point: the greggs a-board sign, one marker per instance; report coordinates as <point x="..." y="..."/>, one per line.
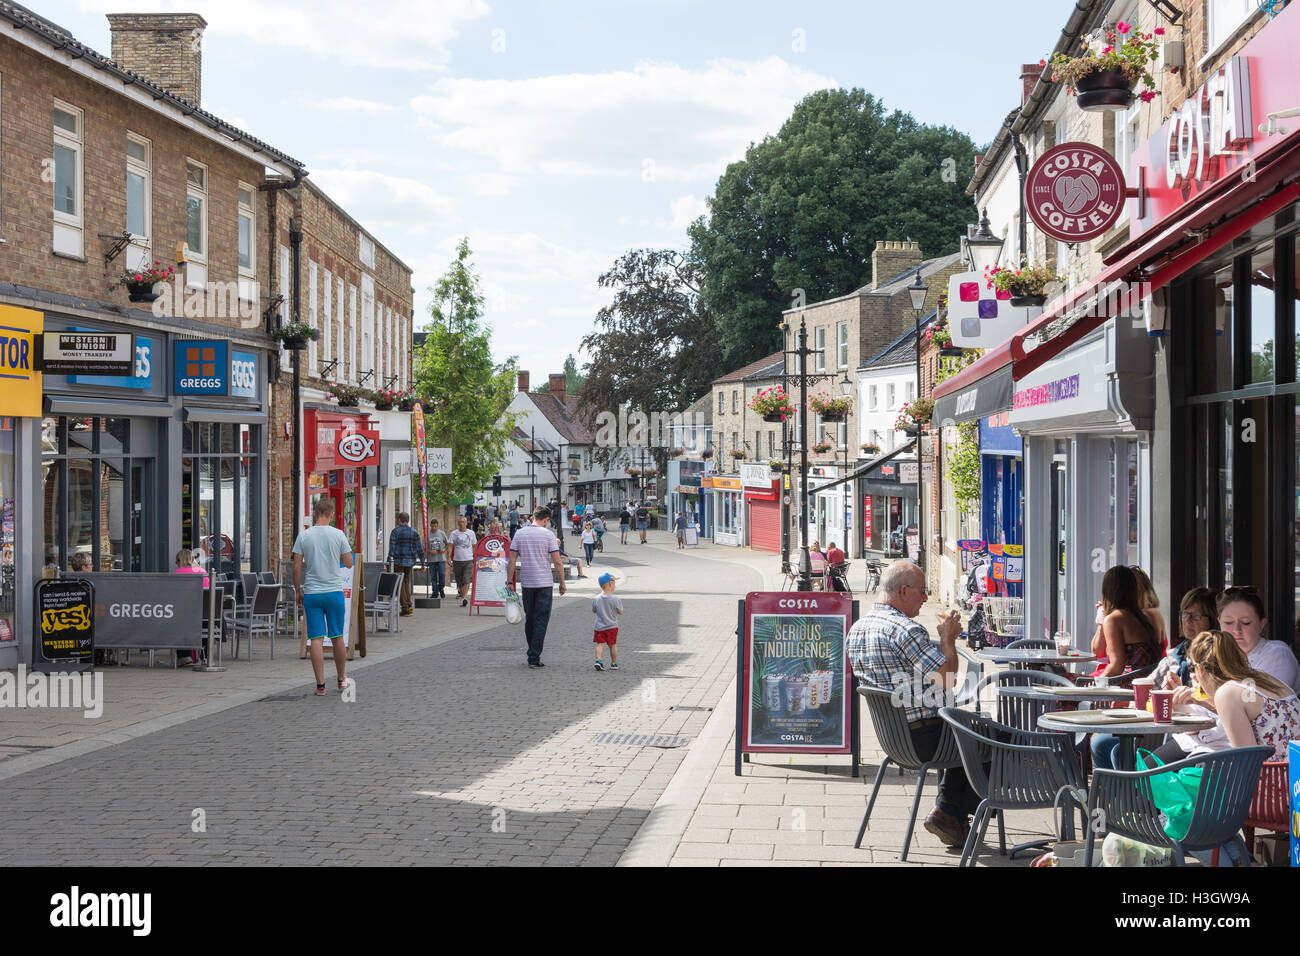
<point x="20" y="382"/>
<point x="1224" y="125"/>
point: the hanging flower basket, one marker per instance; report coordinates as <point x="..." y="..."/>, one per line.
<point x="346" y="396"/>
<point x="777" y="465"/>
<point x="870" y="448"/>
<point x="634" y="472"/>
<point x="295" y="335"/>
<point x="773" y="404"/>
<point x="1115" y="60"/>
<point x="831" y="409"/>
<point x="1025" y="286"/>
<point x="707" y="453"/>
<point x="140" y="282"/>
<point x="738" y="454"/>
<point x="914" y="414"/>
<point x="822" y="447"/>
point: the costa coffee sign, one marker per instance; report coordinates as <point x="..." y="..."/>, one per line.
<point x="358" y="448"/>
<point x="1213" y="122"/>
<point x="1075" y="192"/>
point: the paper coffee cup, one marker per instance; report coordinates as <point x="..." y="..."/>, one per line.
<point x="1162" y="702"/>
<point x="1142" y="688"/>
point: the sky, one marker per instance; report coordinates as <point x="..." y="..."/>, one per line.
<point x="558" y="134"/>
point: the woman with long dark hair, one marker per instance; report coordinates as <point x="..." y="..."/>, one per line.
<point x="1126" y="638"/>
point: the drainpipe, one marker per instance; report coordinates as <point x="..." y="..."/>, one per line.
<point x="1022" y="168"/>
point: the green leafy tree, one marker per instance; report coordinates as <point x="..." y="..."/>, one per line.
<point x="468" y="394"/>
<point x="805" y="208"/>
<point x="573" y="379"/>
<point x="655" y="346"/>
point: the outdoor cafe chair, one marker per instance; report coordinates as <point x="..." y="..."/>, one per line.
<point x="1119" y="680"/>
<point x="1032" y="644"/>
<point x="1022" y="713"/>
<point x="1011" y="769"/>
<point x="895" y="740"/>
<point x="388" y="586"/>
<point x="1122" y="801"/>
<point x="257" y="618"/>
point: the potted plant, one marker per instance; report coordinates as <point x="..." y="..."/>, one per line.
<point x="706" y="454"/>
<point x="738" y="454"/>
<point x="773" y="404"/>
<point x="140" y="282"/>
<point x="1114" y="61"/>
<point x="1026" y="286"/>
<point x="346" y="396"/>
<point x="914" y="414"/>
<point x="295" y="335"/>
<point x="821" y="447"/>
<point x="634" y="472"/>
<point x="830" y="409"/>
<point x="382" y="398"/>
<point x="941" y="336"/>
<point x="676" y="452"/>
<point x="777" y="465"/>
<point x="870" y="448"/>
<point x="406" y="401"/>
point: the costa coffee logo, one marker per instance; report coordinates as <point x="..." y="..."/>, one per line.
<point x="1075" y="192"/>
<point x="1212" y="124"/>
<point x="356" y="447"/>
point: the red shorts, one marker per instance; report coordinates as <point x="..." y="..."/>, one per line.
<point x="608" y="636"/>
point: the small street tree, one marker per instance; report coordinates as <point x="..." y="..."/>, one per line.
<point x="465" y="394"/>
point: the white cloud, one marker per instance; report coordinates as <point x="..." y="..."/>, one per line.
<point x="350" y="104"/>
<point x="402" y="34"/>
<point x="658" y="121"/>
<point x="685" y="210"/>
<point x="367" y="191"/>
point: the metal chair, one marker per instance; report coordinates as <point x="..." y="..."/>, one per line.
<point x="896" y="741"/>
<point x="257" y="618"/>
<point x="1122" y="799"/>
<point x="1033" y="644"/>
<point x="1022" y="713"/>
<point x="266" y="577"/>
<point x="1011" y="769"/>
<point x="1119" y="680"/>
<point x="388" y="586"/>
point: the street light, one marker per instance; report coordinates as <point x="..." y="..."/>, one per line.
<point x="917" y="291"/>
<point x="984" y="246"/>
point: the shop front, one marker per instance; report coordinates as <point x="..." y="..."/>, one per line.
<point x="888" y="508"/>
<point x="830" y="508"/>
<point x="1002" y="477"/>
<point x="386" y="486"/>
<point x="20" y="416"/>
<point x="341" y="445"/>
<point x="1086" y="420"/>
<point x="762" y="507"/>
<point x="728" y="509"/>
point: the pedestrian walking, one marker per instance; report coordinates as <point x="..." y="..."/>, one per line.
<point x="679" y="526"/>
<point x="589" y="541"/>
<point x="438" y="559"/>
<point x="318" y="554"/>
<point x="642" y="519"/>
<point x="624" y="521"/>
<point x="463" y="541"/>
<point x="533" y="552"/>
<point x="404" y="547"/>
<point x="607" y="608"/>
<point x="598" y="526"/>
<point x="512" y="518"/>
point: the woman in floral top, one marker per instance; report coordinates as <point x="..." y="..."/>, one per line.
<point x="1254" y="707"/>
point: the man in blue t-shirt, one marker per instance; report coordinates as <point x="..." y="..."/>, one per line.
<point x="318" y="554"/>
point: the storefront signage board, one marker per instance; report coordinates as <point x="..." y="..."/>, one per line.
<point x="491" y="558"/>
<point x="20" y="382"/>
<point x="65" y="625"/>
<point x="796" y="686"/>
<point x="1074" y="384"/>
<point x="140" y="377"/>
<point x="97" y="353"/>
<point x="755" y="475"/>
<point x="1074" y="192"/>
<point x="147" y="610"/>
<point x="980" y="317"/>
<point x="200" y="367"/>
<point x="356" y="448"/>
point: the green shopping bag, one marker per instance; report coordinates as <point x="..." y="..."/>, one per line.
<point x="1174" y="793"/>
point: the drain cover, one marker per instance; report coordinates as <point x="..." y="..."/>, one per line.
<point x="642" y="740"/>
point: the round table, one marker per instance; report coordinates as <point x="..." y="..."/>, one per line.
<point x="1102" y="695"/>
<point x="1126" y="730"/>
<point x="1029" y="655"/>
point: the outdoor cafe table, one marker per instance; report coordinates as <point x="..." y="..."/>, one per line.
<point x="1029" y="656"/>
<point x="1071" y="695"/>
<point x="1126" y="730"/>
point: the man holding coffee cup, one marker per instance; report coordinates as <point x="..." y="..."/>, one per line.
<point x="888" y="649"/>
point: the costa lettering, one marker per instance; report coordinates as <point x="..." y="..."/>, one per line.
<point x="1213" y="122"/>
<point x="1074" y="192"/>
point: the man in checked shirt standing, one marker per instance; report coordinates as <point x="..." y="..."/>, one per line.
<point x="888" y="649"/>
<point x="404" y="546"/>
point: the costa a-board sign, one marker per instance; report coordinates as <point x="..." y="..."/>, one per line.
<point x="488" y="582"/>
<point x="355" y="449"/>
<point x="65" y="624"/>
<point x="795" y="688"/>
<point x="1075" y="192"/>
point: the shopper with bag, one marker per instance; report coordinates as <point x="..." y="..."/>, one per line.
<point x="533" y="552"/>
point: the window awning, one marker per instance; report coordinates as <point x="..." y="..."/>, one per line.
<point x="982" y="389"/>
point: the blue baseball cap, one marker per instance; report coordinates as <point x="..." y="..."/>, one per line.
<point x="605" y="578"/>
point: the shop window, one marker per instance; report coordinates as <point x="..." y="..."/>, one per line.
<point x="1224" y="17"/>
<point x="1261" y="320"/>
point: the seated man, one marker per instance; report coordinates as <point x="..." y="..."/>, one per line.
<point x="887" y="649"/>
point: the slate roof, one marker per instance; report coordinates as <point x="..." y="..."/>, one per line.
<point x="901" y="351"/>
<point x="899" y="283"/>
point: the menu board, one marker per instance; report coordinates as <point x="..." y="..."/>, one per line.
<point x="796" y="687"/>
<point x="491" y="560"/>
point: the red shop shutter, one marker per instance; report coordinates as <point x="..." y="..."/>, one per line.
<point x="765" y="525"/>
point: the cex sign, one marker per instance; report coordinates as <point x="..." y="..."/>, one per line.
<point x="354" y="449"/>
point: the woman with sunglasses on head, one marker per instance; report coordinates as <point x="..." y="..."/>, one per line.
<point x="1241" y="614"/>
<point x="1149" y="601"/>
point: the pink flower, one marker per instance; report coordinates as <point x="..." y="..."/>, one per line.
<point x="1123" y="27"/>
<point x="1107" y="50"/>
<point x="1148" y="95"/>
<point x="1042" y="63"/>
<point x="138" y="277"/>
<point x="1160" y="31"/>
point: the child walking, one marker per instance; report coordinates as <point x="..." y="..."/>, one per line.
<point x="607" y="608"/>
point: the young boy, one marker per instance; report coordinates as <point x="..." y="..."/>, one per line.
<point x="607" y="608"/>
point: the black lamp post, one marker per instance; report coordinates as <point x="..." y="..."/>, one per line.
<point x="984" y="247"/>
<point x="917" y="291"/>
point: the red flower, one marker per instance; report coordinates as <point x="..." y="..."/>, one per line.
<point x="1160" y="31"/>
<point x="1042" y="63"/>
<point x="1148" y="95"/>
<point x="1123" y="27"/>
<point x="138" y="277"/>
<point x="1107" y="50"/>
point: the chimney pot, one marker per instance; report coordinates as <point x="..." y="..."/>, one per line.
<point x="557" y="383"/>
<point x="523" y="381"/>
